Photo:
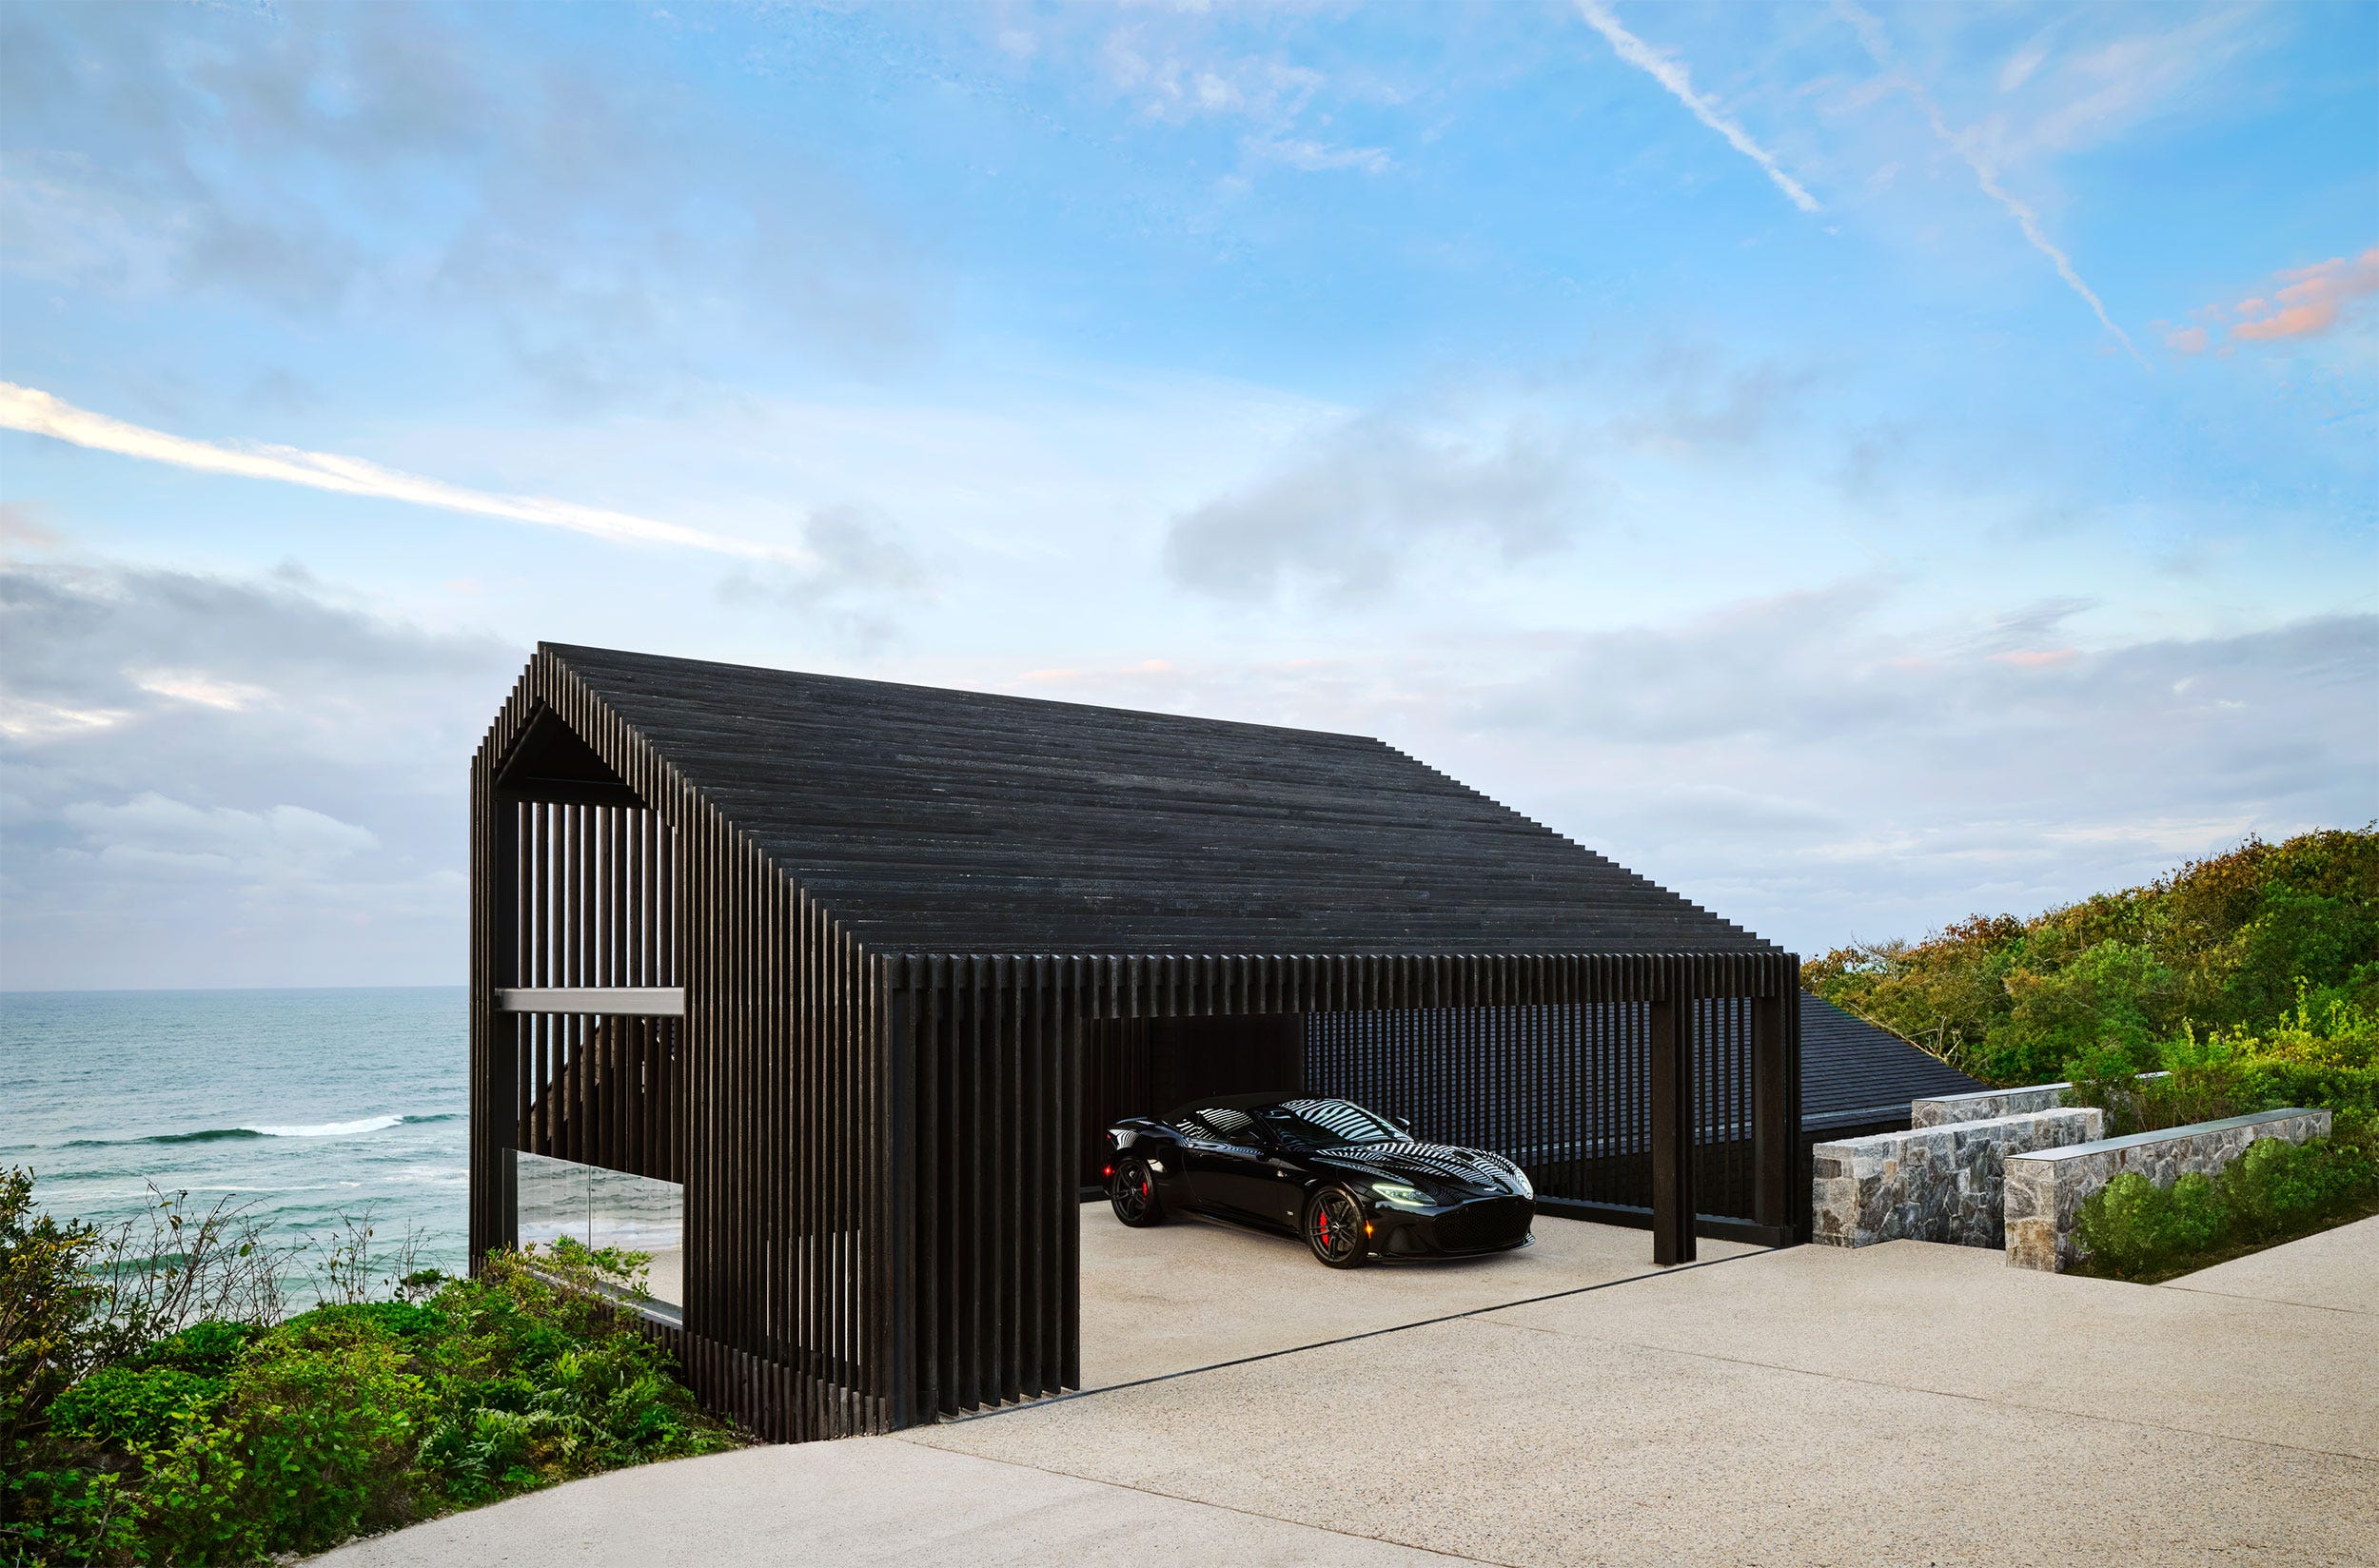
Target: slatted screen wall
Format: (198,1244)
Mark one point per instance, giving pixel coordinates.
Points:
(594,907)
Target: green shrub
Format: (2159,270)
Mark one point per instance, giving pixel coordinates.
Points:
(2133,1226)
(132,1408)
(2278,1187)
(136,1435)
(51,1508)
(2324,1057)
(2221,943)
(2132,1229)
(313,1442)
(207,1348)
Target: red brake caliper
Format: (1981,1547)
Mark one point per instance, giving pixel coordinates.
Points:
(1324,1215)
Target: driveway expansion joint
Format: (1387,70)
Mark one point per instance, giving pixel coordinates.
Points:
(1669,1272)
(1206,1502)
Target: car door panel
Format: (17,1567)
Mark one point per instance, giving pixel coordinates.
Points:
(1228,1172)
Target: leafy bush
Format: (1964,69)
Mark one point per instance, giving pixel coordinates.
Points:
(2327,1059)
(2277,1189)
(2221,943)
(2132,1229)
(135,1436)
(313,1441)
(134,1408)
(209,1349)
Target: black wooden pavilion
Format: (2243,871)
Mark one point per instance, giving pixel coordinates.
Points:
(865,967)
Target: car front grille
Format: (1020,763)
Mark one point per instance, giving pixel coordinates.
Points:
(1488,1222)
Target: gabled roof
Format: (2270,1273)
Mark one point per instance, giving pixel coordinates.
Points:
(1853,1072)
(946,821)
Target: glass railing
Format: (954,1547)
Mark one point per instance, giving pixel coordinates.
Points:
(599,1207)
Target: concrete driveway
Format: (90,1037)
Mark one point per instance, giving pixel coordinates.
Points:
(1906,1403)
(1192,1294)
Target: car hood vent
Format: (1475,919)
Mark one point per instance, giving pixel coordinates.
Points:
(1470,1167)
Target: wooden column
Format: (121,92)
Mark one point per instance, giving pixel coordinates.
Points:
(1775,1104)
(1671,1091)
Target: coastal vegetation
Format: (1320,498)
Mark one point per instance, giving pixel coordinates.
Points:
(157,1405)
(2198,965)
(2241,983)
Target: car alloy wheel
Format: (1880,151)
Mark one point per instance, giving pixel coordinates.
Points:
(1334,1228)
(1132,1191)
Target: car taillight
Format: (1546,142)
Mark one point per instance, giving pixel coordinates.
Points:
(1108,1171)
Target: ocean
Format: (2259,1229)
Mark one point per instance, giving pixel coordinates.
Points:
(307,1105)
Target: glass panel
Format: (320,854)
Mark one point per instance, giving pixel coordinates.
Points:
(599,1207)
(639,1214)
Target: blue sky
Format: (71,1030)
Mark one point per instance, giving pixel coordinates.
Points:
(1858,464)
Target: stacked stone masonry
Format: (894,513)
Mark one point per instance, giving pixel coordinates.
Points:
(1932,1184)
(2045,1189)
(1986,1105)
(1990,1104)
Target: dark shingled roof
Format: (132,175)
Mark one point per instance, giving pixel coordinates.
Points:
(1853,1072)
(944,821)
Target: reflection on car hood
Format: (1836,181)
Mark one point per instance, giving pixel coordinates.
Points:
(1428,1166)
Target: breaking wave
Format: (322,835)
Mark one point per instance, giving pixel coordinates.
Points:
(305,1129)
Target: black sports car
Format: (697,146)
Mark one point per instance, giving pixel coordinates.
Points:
(1352,1182)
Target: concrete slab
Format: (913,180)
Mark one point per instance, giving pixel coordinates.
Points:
(1487,1440)
(2337,1270)
(867,1501)
(1903,1403)
(1958,1321)
(1190,1293)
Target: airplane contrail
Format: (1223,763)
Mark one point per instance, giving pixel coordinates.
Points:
(1672,76)
(1986,174)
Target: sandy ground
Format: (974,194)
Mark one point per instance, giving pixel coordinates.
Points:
(1905,1403)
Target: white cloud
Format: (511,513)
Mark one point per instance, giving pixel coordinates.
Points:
(199,687)
(29,720)
(39,413)
(2020,66)
(216,782)
(1673,77)
(153,834)
(1316,157)
(1349,511)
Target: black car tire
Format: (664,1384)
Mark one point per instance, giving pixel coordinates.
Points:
(1135,1197)
(1334,1229)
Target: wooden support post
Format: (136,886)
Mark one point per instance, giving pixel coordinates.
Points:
(1774,1116)
(1672,1120)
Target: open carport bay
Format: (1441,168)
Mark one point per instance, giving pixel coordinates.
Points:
(1193,1294)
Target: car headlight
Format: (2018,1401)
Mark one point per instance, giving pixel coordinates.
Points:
(1528,1187)
(1396,1195)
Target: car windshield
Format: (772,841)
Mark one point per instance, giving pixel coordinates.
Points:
(1324,1124)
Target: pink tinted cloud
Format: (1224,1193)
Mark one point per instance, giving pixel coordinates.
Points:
(2310,298)
(2035,659)
(2188,339)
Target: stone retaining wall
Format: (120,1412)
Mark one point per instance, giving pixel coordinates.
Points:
(1985,1105)
(1937,1183)
(2045,1189)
